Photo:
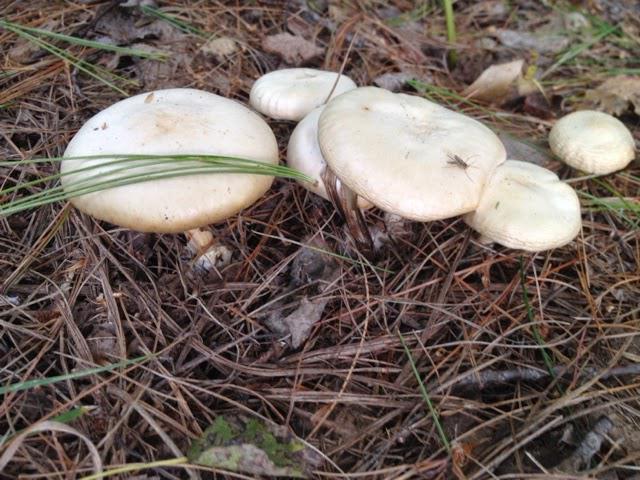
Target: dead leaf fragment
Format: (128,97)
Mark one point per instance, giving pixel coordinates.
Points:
(254,447)
(293,49)
(525,151)
(393,81)
(616,95)
(301,321)
(495,82)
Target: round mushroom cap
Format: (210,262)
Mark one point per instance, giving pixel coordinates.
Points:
(527,207)
(303,154)
(170,122)
(407,155)
(593,142)
(292,93)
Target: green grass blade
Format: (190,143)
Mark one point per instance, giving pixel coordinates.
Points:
(451,28)
(425,396)
(176,22)
(86,43)
(40,382)
(68,57)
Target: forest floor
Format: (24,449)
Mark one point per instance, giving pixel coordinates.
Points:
(115,355)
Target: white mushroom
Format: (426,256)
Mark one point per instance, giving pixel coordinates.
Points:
(303,154)
(407,155)
(171,122)
(292,93)
(527,207)
(593,142)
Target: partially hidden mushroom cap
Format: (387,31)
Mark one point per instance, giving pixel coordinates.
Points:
(407,155)
(292,93)
(170,122)
(593,142)
(527,207)
(303,154)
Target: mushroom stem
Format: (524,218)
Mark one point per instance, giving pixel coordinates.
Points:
(346,201)
(208,254)
(199,241)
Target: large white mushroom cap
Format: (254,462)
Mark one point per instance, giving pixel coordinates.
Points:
(403,153)
(303,154)
(593,142)
(171,122)
(292,93)
(527,207)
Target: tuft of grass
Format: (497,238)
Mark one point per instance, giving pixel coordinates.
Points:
(425,395)
(124,173)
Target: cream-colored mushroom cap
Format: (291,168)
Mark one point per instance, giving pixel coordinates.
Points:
(171,122)
(292,93)
(527,207)
(303,154)
(407,155)
(593,142)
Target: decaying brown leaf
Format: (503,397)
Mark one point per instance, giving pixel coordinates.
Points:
(541,42)
(616,95)
(495,82)
(293,49)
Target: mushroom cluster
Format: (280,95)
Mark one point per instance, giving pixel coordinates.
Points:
(363,147)
(412,157)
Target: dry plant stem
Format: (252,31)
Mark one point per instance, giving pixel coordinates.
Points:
(346,201)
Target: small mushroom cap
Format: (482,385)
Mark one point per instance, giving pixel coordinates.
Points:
(527,207)
(593,142)
(292,93)
(303,154)
(171,122)
(399,152)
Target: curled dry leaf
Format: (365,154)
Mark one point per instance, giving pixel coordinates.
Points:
(254,447)
(293,49)
(495,82)
(616,95)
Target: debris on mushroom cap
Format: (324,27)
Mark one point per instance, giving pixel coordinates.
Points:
(303,154)
(527,207)
(593,142)
(171,122)
(292,93)
(408,155)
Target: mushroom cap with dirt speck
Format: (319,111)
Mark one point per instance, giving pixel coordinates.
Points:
(171,122)
(527,207)
(303,154)
(593,142)
(407,155)
(291,93)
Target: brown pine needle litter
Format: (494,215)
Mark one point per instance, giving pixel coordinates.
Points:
(440,358)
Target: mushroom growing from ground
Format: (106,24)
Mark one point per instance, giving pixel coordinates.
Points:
(407,155)
(303,154)
(171,122)
(527,207)
(593,142)
(292,93)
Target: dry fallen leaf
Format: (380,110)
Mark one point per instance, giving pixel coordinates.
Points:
(525,151)
(495,82)
(293,49)
(616,95)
